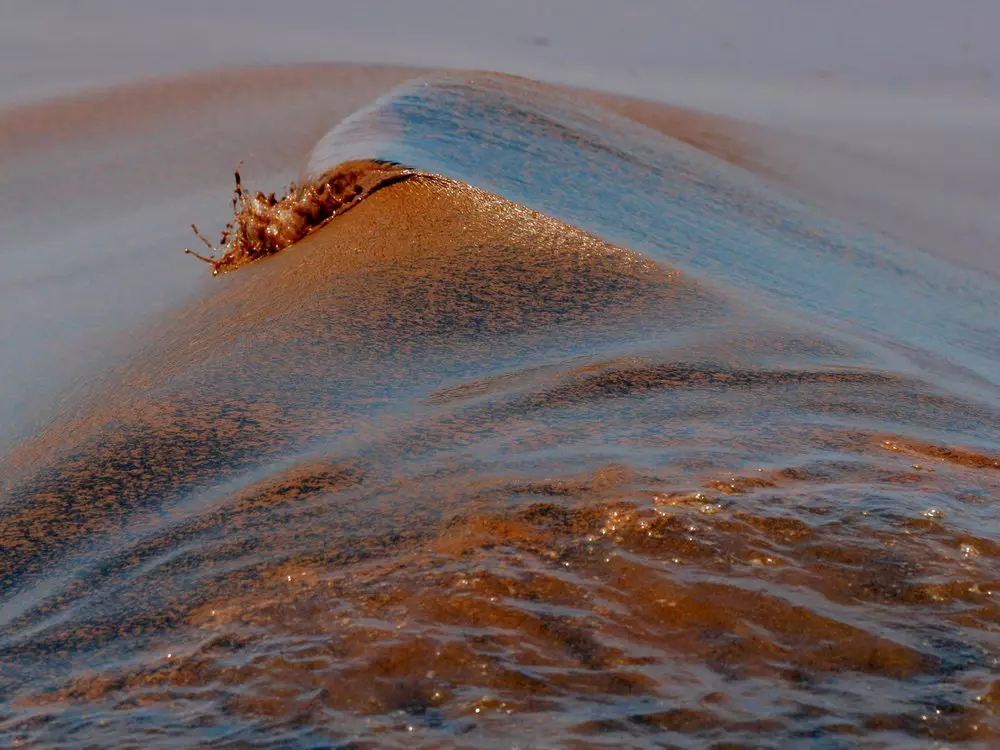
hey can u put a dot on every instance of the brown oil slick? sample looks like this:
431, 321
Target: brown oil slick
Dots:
444, 471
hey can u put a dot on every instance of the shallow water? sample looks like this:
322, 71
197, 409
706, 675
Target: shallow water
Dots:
583, 438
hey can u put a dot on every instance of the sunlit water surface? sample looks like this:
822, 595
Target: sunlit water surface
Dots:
675, 460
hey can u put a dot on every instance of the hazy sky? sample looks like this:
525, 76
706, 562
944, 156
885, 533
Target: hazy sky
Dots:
56, 45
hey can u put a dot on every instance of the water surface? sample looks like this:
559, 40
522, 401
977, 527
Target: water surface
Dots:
581, 437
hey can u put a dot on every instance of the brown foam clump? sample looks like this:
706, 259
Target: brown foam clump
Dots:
263, 225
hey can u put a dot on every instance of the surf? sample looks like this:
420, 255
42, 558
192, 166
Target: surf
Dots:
576, 423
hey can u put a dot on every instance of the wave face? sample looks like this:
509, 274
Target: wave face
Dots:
635, 187
576, 433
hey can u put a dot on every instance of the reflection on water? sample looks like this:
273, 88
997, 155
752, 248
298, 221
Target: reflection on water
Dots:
452, 472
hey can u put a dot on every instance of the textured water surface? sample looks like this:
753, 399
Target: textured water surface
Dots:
577, 437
